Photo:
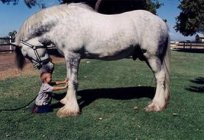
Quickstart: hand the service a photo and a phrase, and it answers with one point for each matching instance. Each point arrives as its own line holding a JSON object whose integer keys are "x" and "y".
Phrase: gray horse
{"x": 79, "y": 32}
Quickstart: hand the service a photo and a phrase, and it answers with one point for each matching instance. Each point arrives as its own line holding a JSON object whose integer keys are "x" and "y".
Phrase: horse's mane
{"x": 44, "y": 20}
{"x": 20, "y": 59}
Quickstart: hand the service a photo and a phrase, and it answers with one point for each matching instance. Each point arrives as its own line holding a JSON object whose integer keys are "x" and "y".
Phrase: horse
{"x": 80, "y": 32}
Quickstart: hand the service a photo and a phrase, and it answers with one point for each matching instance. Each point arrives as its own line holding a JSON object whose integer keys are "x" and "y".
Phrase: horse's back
{"x": 119, "y": 31}
{"x": 133, "y": 23}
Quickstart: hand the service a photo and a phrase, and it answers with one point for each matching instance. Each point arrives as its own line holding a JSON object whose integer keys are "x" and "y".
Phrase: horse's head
{"x": 36, "y": 52}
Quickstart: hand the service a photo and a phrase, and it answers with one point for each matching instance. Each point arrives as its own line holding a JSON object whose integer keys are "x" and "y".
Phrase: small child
{"x": 43, "y": 100}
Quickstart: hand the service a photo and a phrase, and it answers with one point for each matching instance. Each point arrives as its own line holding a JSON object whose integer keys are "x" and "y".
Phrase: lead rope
{"x": 18, "y": 108}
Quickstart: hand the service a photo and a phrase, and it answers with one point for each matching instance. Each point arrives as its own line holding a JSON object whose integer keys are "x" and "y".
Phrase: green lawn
{"x": 113, "y": 96}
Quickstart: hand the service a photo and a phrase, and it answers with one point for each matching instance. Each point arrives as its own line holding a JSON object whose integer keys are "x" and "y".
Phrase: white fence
{"x": 187, "y": 45}
{"x": 5, "y": 44}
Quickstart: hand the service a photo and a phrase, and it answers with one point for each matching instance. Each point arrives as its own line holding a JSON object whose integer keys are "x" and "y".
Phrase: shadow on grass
{"x": 199, "y": 88}
{"x": 54, "y": 52}
{"x": 88, "y": 96}
{"x": 200, "y": 50}
{"x": 125, "y": 93}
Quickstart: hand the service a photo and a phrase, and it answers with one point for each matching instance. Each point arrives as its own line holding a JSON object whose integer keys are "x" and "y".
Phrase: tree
{"x": 12, "y": 35}
{"x": 119, "y": 6}
{"x": 103, "y": 6}
{"x": 29, "y": 3}
{"x": 98, "y": 2}
{"x": 14, "y": 2}
{"x": 191, "y": 18}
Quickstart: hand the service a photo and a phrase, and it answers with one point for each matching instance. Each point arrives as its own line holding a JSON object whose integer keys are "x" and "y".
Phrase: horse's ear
{"x": 20, "y": 59}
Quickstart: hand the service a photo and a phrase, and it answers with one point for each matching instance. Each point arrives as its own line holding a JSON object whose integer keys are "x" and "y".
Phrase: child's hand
{"x": 66, "y": 85}
{"x": 66, "y": 80}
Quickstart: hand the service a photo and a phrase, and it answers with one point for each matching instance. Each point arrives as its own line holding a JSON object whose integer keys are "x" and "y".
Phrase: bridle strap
{"x": 31, "y": 46}
{"x": 38, "y": 61}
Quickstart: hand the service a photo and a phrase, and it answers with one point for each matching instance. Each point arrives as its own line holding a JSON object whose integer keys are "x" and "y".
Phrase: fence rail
{"x": 5, "y": 44}
{"x": 185, "y": 45}
{"x": 188, "y": 45}
{"x": 191, "y": 45}
{"x": 5, "y": 47}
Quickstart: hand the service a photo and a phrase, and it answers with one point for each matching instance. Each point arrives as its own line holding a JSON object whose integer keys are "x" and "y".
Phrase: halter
{"x": 38, "y": 63}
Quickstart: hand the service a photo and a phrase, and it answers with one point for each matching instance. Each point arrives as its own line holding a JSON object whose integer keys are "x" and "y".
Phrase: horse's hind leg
{"x": 71, "y": 107}
{"x": 161, "y": 97}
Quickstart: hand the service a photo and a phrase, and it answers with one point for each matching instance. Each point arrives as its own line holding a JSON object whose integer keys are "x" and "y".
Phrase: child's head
{"x": 46, "y": 77}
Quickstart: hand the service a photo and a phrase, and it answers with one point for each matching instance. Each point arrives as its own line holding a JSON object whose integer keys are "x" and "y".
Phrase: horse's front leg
{"x": 71, "y": 107}
{"x": 64, "y": 100}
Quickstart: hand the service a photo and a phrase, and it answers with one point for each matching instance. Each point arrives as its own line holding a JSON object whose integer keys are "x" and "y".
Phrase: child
{"x": 43, "y": 100}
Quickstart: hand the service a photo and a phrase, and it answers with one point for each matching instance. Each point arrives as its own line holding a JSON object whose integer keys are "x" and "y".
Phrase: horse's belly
{"x": 109, "y": 53}
{"x": 108, "y": 45}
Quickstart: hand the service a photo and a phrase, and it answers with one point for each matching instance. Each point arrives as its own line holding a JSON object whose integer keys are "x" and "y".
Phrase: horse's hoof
{"x": 153, "y": 107}
{"x": 64, "y": 112}
{"x": 63, "y": 101}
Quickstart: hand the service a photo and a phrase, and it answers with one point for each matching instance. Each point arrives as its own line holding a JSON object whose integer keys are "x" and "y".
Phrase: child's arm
{"x": 60, "y": 87}
{"x": 59, "y": 82}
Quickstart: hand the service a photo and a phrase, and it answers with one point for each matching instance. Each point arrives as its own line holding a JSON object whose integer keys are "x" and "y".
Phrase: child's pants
{"x": 41, "y": 109}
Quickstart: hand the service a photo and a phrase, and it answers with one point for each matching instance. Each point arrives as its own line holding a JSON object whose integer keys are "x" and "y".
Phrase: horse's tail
{"x": 166, "y": 65}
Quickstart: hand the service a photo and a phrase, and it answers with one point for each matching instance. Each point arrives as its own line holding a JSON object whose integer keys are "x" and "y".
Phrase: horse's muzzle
{"x": 49, "y": 67}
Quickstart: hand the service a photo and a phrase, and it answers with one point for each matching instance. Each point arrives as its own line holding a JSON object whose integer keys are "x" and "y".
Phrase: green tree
{"x": 29, "y": 3}
{"x": 12, "y": 35}
{"x": 9, "y": 1}
{"x": 118, "y": 6}
{"x": 103, "y": 6}
{"x": 191, "y": 18}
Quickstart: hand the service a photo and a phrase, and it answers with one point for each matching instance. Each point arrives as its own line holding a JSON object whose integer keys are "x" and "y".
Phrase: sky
{"x": 12, "y": 16}
{"x": 170, "y": 11}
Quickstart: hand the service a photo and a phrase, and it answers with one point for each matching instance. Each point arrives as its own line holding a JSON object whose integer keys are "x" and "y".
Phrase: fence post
{"x": 10, "y": 47}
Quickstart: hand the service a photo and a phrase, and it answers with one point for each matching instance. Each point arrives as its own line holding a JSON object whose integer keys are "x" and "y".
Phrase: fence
{"x": 5, "y": 44}
{"x": 188, "y": 45}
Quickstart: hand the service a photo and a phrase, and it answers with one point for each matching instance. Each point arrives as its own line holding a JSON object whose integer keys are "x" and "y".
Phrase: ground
{"x": 112, "y": 96}
{"x": 9, "y": 69}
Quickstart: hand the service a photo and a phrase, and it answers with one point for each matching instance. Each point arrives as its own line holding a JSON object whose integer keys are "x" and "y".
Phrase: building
{"x": 199, "y": 38}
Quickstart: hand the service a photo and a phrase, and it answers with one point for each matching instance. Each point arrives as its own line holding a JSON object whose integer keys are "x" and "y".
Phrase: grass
{"x": 108, "y": 93}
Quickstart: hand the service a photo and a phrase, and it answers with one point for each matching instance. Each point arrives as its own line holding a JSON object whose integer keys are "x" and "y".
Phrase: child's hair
{"x": 43, "y": 76}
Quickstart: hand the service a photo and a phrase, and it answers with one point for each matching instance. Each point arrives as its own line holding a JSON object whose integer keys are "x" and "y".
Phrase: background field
{"x": 112, "y": 96}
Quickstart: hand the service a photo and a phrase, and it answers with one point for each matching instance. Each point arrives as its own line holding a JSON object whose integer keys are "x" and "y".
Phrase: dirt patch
{"x": 8, "y": 68}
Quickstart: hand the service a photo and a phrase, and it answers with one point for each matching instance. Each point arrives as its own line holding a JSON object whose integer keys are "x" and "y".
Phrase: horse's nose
{"x": 49, "y": 67}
